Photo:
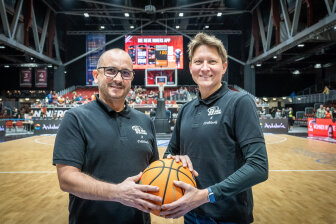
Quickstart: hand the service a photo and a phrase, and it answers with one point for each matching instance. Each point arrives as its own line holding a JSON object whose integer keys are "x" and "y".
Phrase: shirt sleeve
{"x": 154, "y": 144}
{"x": 174, "y": 143}
{"x": 254, "y": 171}
{"x": 70, "y": 144}
{"x": 246, "y": 122}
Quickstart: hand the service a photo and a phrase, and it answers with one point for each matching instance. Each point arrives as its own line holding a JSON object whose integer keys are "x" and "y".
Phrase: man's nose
{"x": 118, "y": 76}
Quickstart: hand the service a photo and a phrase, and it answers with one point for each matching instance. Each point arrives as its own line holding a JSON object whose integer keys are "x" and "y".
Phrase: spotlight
{"x": 181, "y": 14}
{"x": 206, "y": 27}
{"x": 102, "y": 27}
{"x": 86, "y": 14}
{"x": 300, "y": 45}
{"x": 219, "y": 14}
{"x": 258, "y": 65}
{"x": 126, "y": 14}
{"x": 177, "y": 27}
{"x": 132, "y": 27}
{"x": 317, "y": 66}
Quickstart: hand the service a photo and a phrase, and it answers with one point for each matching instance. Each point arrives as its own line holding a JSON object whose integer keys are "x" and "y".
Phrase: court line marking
{"x": 276, "y": 142}
{"x": 37, "y": 140}
{"x": 28, "y": 172}
{"x": 302, "y": 170}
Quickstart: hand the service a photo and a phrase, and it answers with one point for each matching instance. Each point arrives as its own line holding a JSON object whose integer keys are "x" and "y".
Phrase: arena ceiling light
{"x": 275, "y": 57}
{"x": 2, "y": 47}
{"x": 296, "y": 72}
{"x": 49, "y": 66}
{"x": 177, "y": 27}
{"x": 300, "y": 45}
{"x": 132, "y": 27}
{"x": 258, "y": 65}
{"x": 126, "y": 14}
{"x": 206, "y": 27}
{"x": 219, "y": 14}
{"x": 86, "y": 14}
{"x": 181, "y": 14}
{"x": 102, "y": 27}
{"x": 317, "y": 66}
{"x": 6, "y": 66}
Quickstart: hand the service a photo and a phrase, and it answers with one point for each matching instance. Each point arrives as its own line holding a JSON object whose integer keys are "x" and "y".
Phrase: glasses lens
{"x": 126, "y": 74}
{"x": 111, "y": 71}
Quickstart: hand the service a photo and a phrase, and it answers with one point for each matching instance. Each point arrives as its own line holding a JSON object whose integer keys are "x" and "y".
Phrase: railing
{"x": 66, "y": 91}
{"x": 313, "y": 98}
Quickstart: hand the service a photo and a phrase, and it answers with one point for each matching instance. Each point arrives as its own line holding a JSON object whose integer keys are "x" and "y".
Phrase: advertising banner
{"x": 93, "y": 42}
{"x": 52, "y": 112}
{"x": 155, "y": 51}
{"x": 276, "y": 126}
{"x": 41, "y": 78}
{"x": 2, "y": 128}
{"x": 25, "y": 78}
{"x": 321, "y": 127}
{"x": 46, "y": 126}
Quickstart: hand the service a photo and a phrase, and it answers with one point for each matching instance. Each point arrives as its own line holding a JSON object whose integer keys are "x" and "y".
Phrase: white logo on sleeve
{"x": 139, "y": 130}
{"x": 214, "y": 110}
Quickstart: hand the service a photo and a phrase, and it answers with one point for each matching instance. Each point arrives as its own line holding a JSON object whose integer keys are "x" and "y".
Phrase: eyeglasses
{"x": 112, "y": 72}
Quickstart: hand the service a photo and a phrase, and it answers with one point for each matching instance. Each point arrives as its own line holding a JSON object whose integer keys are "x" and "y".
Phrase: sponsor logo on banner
{"x": 321, "y": 127}
{"x": 274, "y": 125}
{"x": 2, "y": 128}
{"x": 214, "y": 111}
{"x": 50, "y": 127}
{"x": 37, "y": 126}
{"x": 139, "y": 130}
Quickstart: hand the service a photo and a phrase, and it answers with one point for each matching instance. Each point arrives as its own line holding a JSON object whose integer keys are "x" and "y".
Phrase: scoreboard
{"x": 161, "y": 56}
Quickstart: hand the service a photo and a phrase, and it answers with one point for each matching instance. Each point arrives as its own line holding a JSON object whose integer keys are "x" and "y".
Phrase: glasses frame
{"x": 112, "y": 77}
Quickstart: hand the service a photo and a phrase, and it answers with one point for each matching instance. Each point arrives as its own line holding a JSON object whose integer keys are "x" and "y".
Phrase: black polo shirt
{"x": 108, "y": 146}
{"x": 222, "y": 136}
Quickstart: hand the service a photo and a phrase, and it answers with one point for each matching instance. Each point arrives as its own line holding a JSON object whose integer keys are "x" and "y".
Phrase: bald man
{"x": 101, "y": 149}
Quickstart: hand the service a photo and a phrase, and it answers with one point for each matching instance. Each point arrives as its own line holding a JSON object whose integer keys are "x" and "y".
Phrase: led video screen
{"x": 155, "y": 51}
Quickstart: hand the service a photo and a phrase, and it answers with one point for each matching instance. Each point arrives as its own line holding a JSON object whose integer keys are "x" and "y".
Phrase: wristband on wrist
{"x": 211, "y": 196}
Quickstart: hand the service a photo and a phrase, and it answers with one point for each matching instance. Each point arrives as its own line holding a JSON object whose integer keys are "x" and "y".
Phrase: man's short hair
{"x": 209, "y": 40}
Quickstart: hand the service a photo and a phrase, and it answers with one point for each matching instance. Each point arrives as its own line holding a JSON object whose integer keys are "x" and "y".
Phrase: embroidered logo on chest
{"x": 139, "y": 130}
{"x": 214, "y": 111}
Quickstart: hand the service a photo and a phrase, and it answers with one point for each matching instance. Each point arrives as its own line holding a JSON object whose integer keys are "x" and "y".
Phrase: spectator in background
{"x": 283, "y": 113}
{"x": 16, "y": 114}
{"x": 278, "y": 114}
{"x": 326, "y": 90}
{"x": 291, "y": 118}
{"x": 327, "y": 113}
{"x": 320, "y": 113}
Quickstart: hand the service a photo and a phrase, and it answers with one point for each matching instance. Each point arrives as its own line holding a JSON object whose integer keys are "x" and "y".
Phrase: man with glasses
{"x": 101, "y": 149}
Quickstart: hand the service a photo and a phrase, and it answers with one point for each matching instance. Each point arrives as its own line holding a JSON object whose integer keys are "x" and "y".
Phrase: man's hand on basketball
{"x": 186, "y": 162}
{"x": 191, "y": 199}
{"x": 135, "y": 195}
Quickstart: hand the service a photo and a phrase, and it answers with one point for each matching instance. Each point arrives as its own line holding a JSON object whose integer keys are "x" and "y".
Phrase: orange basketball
{"x": 162, "y": 173}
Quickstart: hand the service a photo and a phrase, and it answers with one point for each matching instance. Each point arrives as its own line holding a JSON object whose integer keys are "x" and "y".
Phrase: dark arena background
{"x": 280, "y": 52}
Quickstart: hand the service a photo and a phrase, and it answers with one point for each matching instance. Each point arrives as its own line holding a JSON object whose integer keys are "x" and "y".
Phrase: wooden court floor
{"x": 301, "y": 187}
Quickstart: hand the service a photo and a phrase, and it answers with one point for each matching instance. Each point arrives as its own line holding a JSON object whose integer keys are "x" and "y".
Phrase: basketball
{"x": 162, "y": 174}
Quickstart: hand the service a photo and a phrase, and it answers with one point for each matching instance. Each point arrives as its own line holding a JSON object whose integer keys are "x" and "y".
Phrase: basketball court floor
{"x": 300, "y": 189}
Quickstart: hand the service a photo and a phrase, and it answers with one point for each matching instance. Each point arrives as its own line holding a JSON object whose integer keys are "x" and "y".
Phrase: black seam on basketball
{"x": 163, "y": 167}
{"x": 164, "y": 193}
{"x": 179, "y": 171}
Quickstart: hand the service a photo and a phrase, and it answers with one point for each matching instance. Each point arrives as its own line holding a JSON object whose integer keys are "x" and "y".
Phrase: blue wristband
{"x": 211, "y": 196}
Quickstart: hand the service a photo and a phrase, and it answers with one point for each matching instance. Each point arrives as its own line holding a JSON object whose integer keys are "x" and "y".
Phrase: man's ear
{"x": 95, "y": 76}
